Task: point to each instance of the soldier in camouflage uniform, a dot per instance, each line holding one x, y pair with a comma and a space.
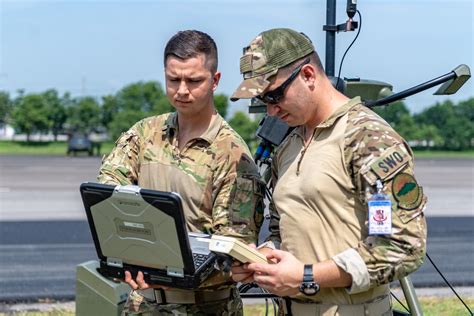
196, 153
325, 174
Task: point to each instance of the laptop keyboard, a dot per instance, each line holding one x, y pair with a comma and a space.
199, 259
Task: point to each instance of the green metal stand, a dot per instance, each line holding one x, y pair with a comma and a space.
410, 296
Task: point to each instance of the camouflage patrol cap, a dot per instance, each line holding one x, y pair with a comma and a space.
268, 52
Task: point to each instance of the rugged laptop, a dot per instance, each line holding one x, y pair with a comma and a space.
144, 230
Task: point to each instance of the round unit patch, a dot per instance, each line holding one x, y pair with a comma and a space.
406, 191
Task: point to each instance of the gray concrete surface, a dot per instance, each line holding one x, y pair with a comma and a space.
43, 233
44, 187
38, 258
47, 188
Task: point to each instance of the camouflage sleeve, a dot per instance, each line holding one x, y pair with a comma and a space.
238, 202
376, 152
121, 166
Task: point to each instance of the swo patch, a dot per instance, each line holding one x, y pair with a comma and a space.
406, 191
392, 160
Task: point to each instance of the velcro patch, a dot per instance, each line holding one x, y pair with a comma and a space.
406, 191
391, 161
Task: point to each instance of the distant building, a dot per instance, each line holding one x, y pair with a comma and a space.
6, 132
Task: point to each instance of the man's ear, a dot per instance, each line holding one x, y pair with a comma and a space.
309, 74
215, 80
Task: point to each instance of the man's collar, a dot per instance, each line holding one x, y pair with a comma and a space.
340, 111
209, 135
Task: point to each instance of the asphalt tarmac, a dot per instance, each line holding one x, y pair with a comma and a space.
47, 188
44, 235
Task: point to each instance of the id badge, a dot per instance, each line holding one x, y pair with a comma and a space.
380, 217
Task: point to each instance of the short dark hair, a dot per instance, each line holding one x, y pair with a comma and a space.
190, 43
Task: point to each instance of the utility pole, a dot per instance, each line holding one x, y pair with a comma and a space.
330, 37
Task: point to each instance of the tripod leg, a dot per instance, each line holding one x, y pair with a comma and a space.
410, 296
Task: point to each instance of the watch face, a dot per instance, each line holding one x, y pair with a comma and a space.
309, 288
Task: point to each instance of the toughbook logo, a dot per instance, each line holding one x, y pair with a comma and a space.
128, 203
135, 230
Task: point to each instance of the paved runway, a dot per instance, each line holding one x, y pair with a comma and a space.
44, 235
47, 188
38, 259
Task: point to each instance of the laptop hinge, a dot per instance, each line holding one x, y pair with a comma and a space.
177, 272
114, 262
129, 188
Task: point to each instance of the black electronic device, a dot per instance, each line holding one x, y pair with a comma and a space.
136, 229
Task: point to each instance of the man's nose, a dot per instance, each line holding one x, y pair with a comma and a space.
183, 88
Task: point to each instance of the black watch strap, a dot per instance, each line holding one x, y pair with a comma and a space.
308, 273
308, 286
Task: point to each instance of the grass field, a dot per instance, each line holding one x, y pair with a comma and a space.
444, 154
43, 148
431, 306
60, 148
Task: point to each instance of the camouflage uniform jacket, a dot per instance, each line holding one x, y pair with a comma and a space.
320, 210
214, 174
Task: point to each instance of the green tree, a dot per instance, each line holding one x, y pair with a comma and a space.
139, 96
246, 127
123, 121
84, 115
454, 128
132, 103
221, 102
30, 114
108, 110
56, 111
429, 135
162, 106
5, 107
466, 109
406, 127
393, 113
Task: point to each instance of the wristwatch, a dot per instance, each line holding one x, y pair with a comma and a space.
308, 286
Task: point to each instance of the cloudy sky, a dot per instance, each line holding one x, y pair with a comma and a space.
97, 47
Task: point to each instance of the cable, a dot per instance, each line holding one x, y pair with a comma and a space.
244, 288
273, 299
446, 281
399, 302
353, 41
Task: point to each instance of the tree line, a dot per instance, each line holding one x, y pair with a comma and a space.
445, 125
49, 112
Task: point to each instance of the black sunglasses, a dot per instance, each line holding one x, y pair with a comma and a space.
275, 96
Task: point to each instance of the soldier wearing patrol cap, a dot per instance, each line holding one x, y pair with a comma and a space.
347, 211
196, 153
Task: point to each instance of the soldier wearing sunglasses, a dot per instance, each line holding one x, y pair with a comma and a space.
347, 216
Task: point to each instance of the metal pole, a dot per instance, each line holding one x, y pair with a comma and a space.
410, 296
412, 91
330, 37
